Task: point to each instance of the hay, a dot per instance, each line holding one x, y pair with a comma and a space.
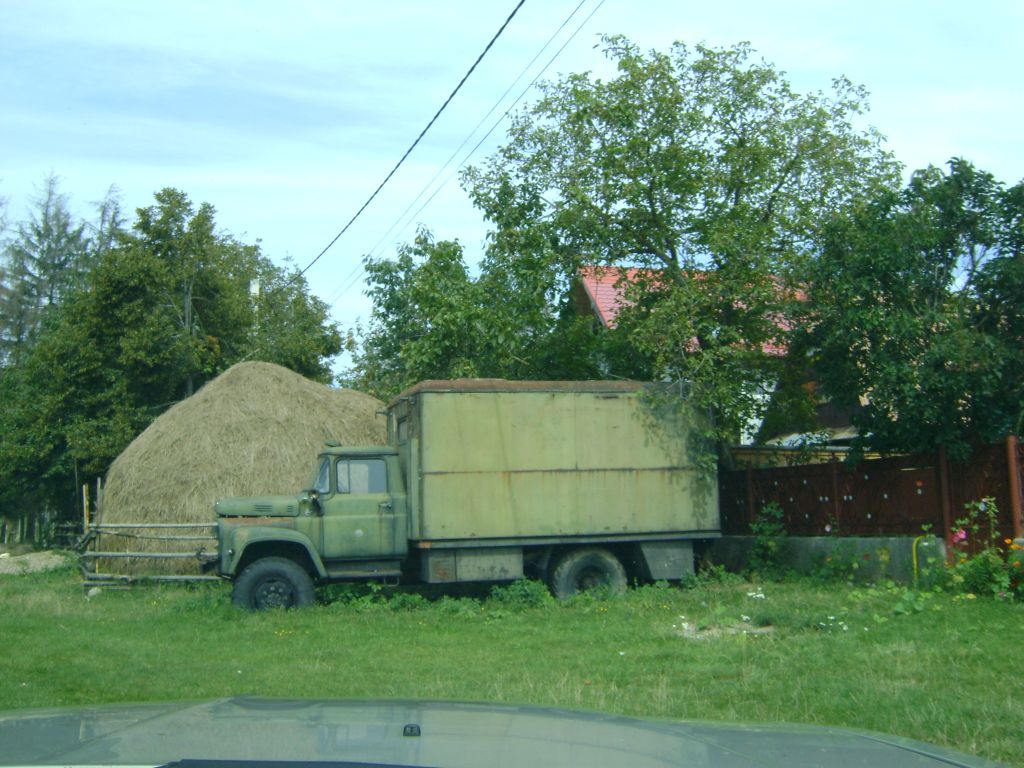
255, 429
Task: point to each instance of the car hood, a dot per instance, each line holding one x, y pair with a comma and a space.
413, 733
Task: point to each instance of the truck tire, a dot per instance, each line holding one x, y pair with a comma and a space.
273, 582
582, 569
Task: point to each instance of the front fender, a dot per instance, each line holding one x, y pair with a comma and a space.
245, 536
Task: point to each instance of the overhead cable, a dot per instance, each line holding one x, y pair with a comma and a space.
418, 138
402, 222
483, 119
357, 273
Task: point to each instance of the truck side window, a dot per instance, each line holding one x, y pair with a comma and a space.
362, 476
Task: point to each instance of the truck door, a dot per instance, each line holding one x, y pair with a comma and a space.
359, 517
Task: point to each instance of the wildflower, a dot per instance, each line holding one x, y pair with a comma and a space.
959, 536
1007, 542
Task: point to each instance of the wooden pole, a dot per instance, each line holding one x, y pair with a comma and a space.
1013, 467
751, 512
85, 508
946, 502
836, 507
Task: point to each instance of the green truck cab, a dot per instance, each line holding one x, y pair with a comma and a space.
579, 483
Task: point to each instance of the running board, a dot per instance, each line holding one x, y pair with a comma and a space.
370, 570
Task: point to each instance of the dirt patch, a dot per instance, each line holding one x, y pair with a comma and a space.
694, 632
33, 562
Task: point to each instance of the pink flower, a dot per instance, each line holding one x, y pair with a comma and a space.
959, 536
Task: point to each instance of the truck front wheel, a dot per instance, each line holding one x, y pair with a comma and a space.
273, 582
583, 569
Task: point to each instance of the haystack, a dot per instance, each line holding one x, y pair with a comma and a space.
255, 429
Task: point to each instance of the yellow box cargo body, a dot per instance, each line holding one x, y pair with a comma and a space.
499, 460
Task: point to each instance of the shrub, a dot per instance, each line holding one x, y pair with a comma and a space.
768, 530
990, 571
522, 593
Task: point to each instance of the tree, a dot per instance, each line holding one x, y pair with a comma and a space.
915, 306
166, 307
287, 324
704, 167
432, 320
44, 259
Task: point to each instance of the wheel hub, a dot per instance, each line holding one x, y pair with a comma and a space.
274, 593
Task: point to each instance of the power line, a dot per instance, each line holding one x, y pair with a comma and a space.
358, 270
476, 128
418, 138
513, 105
356, 274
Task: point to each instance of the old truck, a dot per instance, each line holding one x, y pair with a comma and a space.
579, 483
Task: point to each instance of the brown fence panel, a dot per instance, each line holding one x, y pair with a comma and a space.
985, 475
877, 497
894, 496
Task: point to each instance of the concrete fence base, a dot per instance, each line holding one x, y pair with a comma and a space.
903, 559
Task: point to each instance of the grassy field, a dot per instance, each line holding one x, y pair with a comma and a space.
939, 668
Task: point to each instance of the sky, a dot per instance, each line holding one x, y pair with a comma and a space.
286, 116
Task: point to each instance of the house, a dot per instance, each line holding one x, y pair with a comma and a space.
600, 292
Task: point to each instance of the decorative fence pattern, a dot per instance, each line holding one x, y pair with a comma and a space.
896, 496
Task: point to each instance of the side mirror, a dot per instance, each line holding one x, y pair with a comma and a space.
314, 499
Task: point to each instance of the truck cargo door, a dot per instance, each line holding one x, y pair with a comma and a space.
359, 518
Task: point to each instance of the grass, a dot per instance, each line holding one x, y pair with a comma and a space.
934, 667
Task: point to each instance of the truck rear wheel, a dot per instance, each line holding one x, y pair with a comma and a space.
584, 569
273, 582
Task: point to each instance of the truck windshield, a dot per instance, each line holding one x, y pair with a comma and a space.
323, 476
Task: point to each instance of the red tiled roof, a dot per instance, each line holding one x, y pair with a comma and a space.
605, 288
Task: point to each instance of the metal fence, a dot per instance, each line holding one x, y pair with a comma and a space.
895, 496
133, 544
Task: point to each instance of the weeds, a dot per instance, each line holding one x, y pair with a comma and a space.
769, 532
710, 575
996, 566
522, 593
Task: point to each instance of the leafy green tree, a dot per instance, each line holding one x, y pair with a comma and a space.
168, 306
915, 306
47, 258
424, 320
704, 167
432, 319
40, 264
287, 324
